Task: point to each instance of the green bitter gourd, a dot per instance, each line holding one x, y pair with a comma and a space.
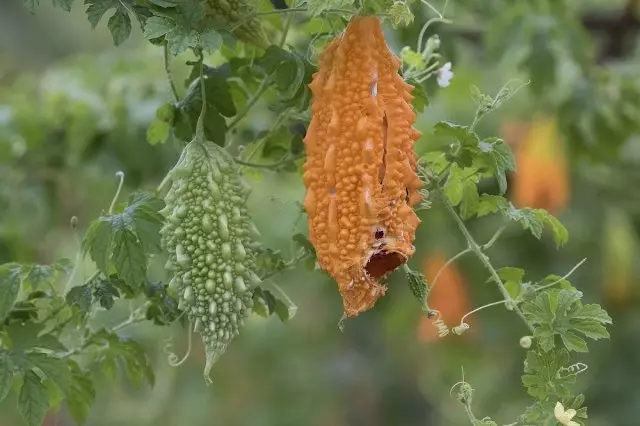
212, 245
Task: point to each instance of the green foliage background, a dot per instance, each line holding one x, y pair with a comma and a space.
74, 110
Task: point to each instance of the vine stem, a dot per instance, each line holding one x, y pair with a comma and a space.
134, 318
567, 275
478, 251
264, 85
449, 262
250, 103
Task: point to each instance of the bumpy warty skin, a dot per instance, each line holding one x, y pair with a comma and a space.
211, 243
360, 171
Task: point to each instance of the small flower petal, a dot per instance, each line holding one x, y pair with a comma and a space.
570, 413
558, 411
445, 75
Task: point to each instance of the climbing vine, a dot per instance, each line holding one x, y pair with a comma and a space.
343, 122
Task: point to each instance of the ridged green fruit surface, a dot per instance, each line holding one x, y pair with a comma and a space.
211, 242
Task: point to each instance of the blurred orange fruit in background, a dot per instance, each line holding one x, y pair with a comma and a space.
542, 179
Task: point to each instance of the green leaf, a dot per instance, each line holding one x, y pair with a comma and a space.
63, 4
9, 287
541, 412
491, 204
143, 213
436, 161
39, 275
130, 353
55, 369
287, 67
285, 310
210, 40
98, 241
574, 343
26, 336
264, 302
180, 39
560, 233
219, 104
420, 99
6, 374
158, 132
33, 400
460, 188
81, 297
305, 244
129, 258
166, 112
457, 132
81, 393
97, 9
105, 293
400, 13
500, 159
533, 220
132, 234
512, 280
120, 27
541, 376
412, 58
316, 7
64, 265
560, 312
157, 26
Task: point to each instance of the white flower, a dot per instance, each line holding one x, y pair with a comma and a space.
563, 416
445, 75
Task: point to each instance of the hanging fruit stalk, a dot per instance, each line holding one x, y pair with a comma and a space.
211, 242
360, 172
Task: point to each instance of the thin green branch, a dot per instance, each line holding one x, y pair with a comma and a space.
288, 265
138, 315
495, 237
264, 85
567, 275
285, 30
478, 251
447, 263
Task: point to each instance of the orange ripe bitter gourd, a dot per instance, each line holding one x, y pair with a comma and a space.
360, 171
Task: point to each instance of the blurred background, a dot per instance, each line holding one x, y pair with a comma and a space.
74, 110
